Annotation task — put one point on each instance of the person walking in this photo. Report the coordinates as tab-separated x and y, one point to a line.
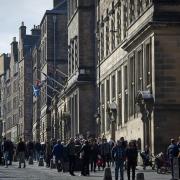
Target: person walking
85	151
105	152
37	150
48	153
71	155
21	150
5	150
94	154
131	156
58	153
11	151
172	153
30	149
119	156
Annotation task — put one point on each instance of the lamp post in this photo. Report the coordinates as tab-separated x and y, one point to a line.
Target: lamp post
145	102
98	122
112	112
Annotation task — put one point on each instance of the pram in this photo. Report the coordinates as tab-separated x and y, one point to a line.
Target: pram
162	164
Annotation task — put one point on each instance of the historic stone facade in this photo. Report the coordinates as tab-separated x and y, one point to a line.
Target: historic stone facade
9	92
138	51
80	91
36	80
13	103
26	44
4	67
53	56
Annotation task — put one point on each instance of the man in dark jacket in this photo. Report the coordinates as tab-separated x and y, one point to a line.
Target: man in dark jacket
30	149
11	151
131	155
48	153
71	155
37	150
105	152
21	149
5	150
119	156
58	153
172	153
85	150
94	154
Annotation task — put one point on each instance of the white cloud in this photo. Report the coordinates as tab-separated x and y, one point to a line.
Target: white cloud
13	12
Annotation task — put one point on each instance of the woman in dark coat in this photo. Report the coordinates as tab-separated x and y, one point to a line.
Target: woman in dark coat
131	155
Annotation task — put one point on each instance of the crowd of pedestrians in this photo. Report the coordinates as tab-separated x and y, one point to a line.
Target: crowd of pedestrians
83	155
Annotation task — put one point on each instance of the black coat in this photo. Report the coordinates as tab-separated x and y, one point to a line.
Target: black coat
86	151
131	155
94	151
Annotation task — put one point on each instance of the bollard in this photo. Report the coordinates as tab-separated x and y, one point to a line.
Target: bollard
107	174
30	161
41	161
140	176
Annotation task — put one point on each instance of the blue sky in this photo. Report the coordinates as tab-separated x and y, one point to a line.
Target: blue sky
13	12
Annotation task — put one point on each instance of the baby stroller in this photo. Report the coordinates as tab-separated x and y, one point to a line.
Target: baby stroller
162	164
147	160
99	162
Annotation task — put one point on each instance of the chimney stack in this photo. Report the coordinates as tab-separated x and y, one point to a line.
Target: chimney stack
36	30
14	39
22	30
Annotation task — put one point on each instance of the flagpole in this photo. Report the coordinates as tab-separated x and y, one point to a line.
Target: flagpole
61	72
51	78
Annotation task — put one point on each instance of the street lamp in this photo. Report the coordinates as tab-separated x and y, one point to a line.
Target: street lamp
112	112
98	122
145	101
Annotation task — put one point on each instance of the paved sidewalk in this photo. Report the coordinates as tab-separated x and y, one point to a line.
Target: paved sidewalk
34	172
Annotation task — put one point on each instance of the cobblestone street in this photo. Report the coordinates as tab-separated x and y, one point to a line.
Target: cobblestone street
41	173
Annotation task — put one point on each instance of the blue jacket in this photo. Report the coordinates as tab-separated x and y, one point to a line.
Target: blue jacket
172	151
58	151
119	153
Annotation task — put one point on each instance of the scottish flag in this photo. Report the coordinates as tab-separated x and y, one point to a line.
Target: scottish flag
36	91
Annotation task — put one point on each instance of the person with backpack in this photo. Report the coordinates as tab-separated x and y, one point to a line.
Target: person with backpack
172	153
119	156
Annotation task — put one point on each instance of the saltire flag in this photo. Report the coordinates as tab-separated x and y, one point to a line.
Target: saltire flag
36	90
37	87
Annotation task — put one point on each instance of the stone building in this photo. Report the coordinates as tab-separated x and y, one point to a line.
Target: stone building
53	56
12	106
26	44
139	51
36	79
79	105
4	67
